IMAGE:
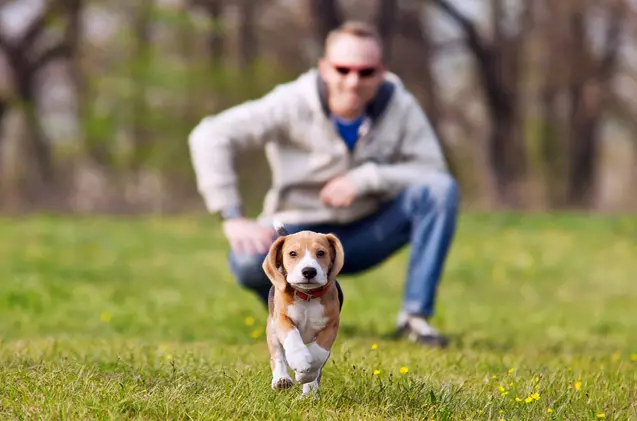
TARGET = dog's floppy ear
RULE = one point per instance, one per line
(273, 264)
(338, 256)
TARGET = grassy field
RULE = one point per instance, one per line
(111, 318)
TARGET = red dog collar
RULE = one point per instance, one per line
(315, 293)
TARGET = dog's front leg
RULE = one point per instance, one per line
(320, 349)
(280, 377)
(297, 354)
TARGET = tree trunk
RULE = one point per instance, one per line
(247, 35)
(385, 19)
(327, 16)
(141, 55)
(498, 71)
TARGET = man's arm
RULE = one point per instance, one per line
(419, 155)
(214, 141)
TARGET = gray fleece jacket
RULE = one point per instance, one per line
(396, 148)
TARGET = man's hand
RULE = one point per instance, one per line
(247, 236)
(338, 192)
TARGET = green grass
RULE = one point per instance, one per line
(111, 318)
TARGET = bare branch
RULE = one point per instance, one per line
(612, 43)
(474, 40)
(61, 50)
(37, 25)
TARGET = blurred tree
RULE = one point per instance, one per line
(497, 61)
(214, 10)
(327, 16)
(39, 44)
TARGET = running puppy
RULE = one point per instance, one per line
(304, 306)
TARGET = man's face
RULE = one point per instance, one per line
(352, 70)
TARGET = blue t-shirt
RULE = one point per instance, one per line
(348, 129)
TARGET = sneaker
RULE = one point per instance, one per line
(418, 330)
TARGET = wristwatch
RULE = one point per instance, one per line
(231, 212)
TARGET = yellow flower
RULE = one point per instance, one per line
(168, 357)
(535, 396)
(255, 333)
(105, 317)
(501, 388)
(403, 370)
(494, 377)
(249, 321)
(578, 385)
(517, 399)
(511, 370)
(376, 372)
(528, 400)
(601, 415)
(633, 356)
(549, 410)
(504, 393)
(374, 346)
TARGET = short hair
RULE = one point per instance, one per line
(355, 28)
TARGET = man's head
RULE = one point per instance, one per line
(352, 68)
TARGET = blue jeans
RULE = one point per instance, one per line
(423, 216)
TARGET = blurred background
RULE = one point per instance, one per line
(535, 101)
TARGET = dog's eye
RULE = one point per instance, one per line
(293, 253)
(320, 253)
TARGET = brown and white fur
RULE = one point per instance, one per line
(300, 329)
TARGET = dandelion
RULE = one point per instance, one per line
(494, 377)
(511, 370)
(601, 415)
(501, 388)
(578, 384)
(518, 399)
(535, 396)
(549, 410)
(249, 321)
(403, 370)
(255, 333)
(528, 399)
(105, 317)
(376, 372)
(504, 393)
(374, 346)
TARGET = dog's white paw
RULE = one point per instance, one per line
(304, 378)
(282, 382)
(300, 360)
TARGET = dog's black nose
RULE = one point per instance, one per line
(308, 272)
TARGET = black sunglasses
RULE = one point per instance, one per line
(363, 72)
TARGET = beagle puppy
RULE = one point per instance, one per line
(304, 305)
